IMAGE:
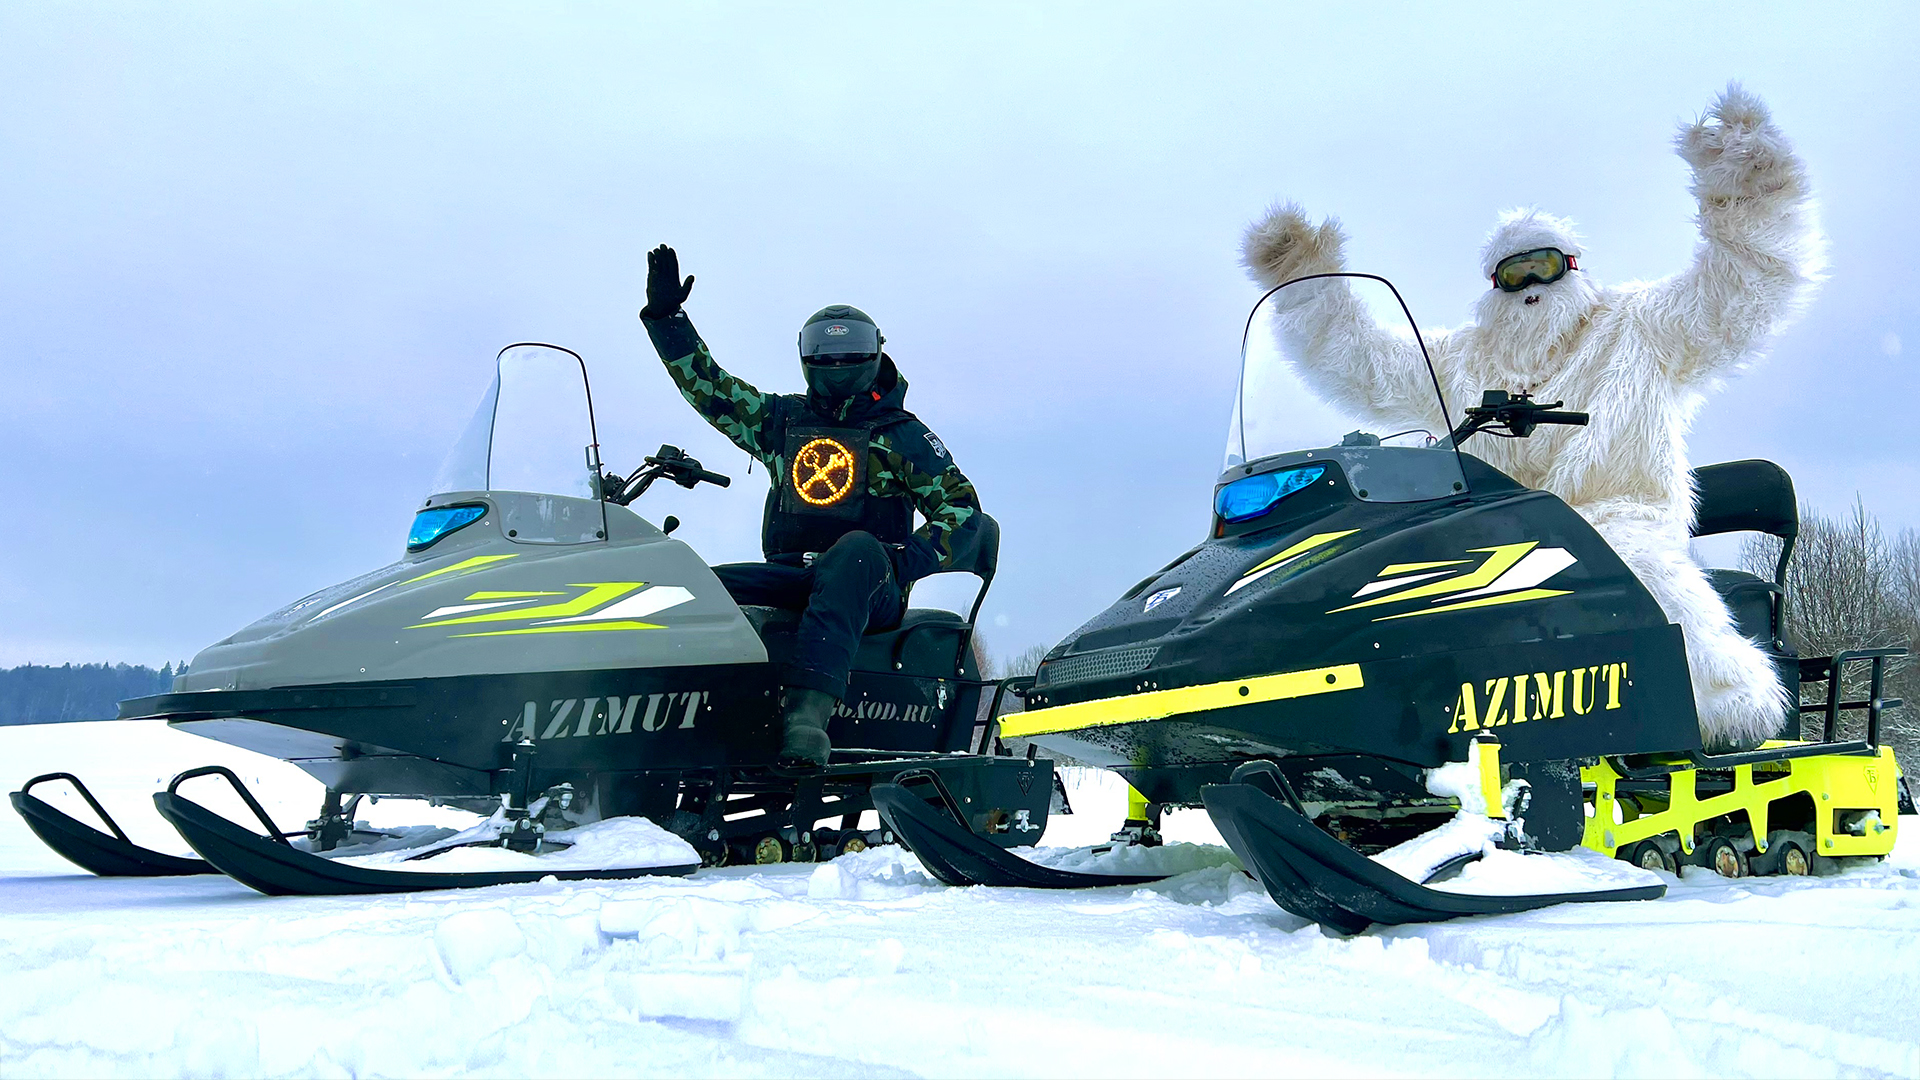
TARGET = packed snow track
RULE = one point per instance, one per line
(865, 966)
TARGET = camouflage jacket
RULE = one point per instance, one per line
(905, 461)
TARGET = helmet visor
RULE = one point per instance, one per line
(835, 381)
(1541, 266)
(839, 336)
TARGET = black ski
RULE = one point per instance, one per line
(957, 856)
(108, 855)
(270, 865)
(1317, 877)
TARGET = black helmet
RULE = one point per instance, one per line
(840, 351)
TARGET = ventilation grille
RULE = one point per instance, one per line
(1103, 664)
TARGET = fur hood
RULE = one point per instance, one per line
(1525, 229)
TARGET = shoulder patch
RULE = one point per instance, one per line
(939, 448)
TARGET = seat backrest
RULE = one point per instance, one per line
(1745, 496)
(1751, 496)
(982, 560)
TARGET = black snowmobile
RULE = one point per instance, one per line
(1365, 613)
(544, 656)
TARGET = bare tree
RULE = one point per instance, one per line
(1849, 588)
(1026, 662)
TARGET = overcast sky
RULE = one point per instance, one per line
(256, 259)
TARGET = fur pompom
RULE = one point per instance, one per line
(1284, 245)
(1525, 229)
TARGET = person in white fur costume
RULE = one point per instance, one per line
(1639, 357)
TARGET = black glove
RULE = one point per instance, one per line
(665, 291)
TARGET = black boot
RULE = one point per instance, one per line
(804, 743)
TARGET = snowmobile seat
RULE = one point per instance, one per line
(928, 642)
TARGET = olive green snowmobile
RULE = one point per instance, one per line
(543, 655)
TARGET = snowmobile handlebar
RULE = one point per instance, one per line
(669, 462)
(1519, 414)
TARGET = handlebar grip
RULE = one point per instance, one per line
(717, 480)
(1575, 419)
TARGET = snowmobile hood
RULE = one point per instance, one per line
(1335, 624)
(529, 586)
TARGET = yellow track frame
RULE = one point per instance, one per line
(1837, 783)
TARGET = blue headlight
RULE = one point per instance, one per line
(430, 525)
(1249, 497)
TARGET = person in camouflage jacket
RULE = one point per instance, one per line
(837, 531)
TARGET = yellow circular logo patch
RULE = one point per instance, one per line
(823, 472)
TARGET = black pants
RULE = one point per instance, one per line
(849, 587)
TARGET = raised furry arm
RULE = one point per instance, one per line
(1760, 253)
(1334, 342)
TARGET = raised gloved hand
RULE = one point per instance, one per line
(665, 291)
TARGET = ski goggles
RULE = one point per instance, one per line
(1541, 266)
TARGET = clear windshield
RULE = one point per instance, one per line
(1335, 361)
(533, 430)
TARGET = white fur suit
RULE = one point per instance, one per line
(1638, 356)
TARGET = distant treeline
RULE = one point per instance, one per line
(35, 694)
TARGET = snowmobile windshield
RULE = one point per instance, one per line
(1332, 369)
(533, 430)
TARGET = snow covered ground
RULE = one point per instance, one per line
(865, 967)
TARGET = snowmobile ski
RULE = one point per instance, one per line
(270, 865)
(107, 855)
(1315, 876)
(957, 855)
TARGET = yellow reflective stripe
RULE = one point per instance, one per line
(1160, 704)
(1484, 601)
(470, 564)
(1410, 567)
(598, 593)
(1498, 562)
(510, 595)
(576, 628)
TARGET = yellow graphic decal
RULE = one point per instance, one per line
(598, 593)
(476, 563)
(1499, 561)
(1484, 601)
(1282, 558)
(604, 605)
(823, 472)
(1410, 567)
(619, 624)
(1510, 574)
(1539, 695)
